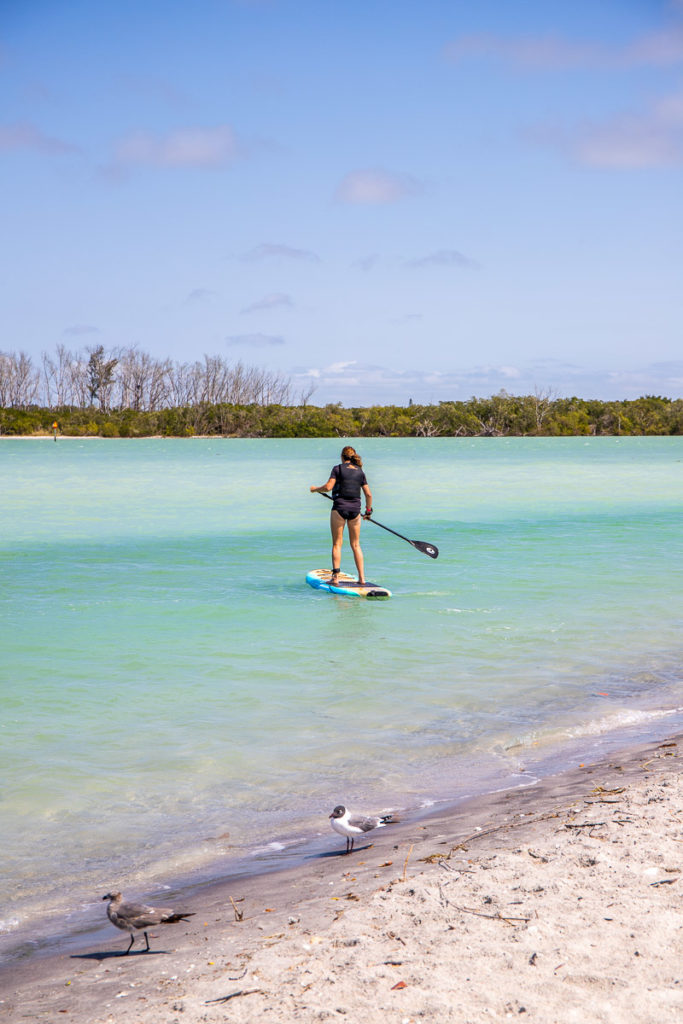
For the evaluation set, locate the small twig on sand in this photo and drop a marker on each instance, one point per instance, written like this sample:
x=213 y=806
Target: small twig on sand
x=239 y=915
x=238 y=977
x=478 y=835
x=233 y=995
x=445 y=902
x=497 y=828
x=665 y=881
x=405 y=863
x=459 y=871
x=492 y=917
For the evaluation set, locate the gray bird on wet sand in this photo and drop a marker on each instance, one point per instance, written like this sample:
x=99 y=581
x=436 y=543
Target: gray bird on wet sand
x=129 y=916
x=352 y=825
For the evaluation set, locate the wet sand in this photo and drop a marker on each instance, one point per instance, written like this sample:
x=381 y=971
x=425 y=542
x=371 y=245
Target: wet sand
x=561 y=902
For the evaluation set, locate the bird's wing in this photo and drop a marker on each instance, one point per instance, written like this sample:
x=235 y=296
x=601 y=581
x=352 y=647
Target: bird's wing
x=141 y=916
x=365 y=824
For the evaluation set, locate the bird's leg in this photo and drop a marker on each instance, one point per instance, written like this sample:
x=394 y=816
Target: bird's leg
x=147 y=941
x=132 y=940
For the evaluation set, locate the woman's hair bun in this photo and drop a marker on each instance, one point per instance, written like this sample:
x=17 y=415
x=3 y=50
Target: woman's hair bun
x=350 y=454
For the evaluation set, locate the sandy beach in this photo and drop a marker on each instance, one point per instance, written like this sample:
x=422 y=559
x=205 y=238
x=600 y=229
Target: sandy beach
x=560 y=902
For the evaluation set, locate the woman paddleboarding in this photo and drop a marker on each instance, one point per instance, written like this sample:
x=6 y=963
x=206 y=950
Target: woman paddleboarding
x=346 y=482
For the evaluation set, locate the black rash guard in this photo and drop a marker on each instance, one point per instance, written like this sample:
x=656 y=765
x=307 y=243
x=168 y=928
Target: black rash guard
x=347 y=488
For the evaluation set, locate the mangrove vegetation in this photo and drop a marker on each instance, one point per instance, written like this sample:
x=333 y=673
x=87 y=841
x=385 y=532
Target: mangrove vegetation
x=128 y=393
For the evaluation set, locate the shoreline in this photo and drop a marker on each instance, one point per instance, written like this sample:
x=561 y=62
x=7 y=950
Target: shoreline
x=314 y=936
x=509 y=771
x=321 y=437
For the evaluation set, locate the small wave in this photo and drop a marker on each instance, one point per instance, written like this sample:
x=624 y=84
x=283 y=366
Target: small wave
x=525 y=782
x=468 y=611
x=276 y=846
x=619 y=720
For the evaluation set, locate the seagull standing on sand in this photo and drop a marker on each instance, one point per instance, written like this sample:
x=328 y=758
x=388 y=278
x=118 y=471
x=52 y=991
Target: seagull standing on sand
x=352 y=825
x=129 y=916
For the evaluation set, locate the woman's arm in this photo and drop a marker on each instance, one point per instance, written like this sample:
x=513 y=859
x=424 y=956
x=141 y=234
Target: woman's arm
x=325 y=487
x=368 y=500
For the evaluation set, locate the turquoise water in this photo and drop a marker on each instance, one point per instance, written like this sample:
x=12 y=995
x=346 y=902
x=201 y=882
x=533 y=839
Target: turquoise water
x=175 y=700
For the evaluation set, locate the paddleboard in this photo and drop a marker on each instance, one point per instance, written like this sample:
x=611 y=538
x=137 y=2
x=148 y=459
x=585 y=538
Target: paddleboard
x=319 y=579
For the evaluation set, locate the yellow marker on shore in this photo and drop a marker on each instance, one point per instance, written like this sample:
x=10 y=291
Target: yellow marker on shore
x=55 y=428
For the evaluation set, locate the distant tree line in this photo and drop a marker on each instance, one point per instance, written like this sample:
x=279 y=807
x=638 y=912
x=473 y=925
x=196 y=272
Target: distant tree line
x=131 y=394
x=130 y=379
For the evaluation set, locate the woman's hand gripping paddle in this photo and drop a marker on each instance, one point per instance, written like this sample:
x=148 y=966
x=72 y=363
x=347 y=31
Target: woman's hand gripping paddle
x=426 y=549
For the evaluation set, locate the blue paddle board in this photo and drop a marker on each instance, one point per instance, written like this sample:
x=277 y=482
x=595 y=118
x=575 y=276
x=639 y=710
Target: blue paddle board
x=344 y=584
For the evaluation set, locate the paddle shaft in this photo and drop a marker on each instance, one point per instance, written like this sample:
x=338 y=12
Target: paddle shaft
x=420 y=545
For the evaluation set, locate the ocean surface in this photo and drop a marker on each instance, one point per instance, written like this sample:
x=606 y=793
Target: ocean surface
x=176 y=703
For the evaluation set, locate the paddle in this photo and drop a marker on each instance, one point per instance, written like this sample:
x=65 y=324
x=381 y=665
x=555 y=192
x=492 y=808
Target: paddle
x=426 y=549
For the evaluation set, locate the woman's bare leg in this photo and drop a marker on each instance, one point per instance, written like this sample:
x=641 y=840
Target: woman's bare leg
x=337 y=529
x=354 y=541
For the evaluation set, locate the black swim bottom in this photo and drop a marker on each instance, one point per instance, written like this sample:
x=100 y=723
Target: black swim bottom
x=347 y=509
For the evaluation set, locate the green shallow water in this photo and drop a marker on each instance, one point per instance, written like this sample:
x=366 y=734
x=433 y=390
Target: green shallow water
x=168 y=678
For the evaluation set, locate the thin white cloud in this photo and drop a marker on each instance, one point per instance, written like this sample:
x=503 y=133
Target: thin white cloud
x=276 y=300
x=539 y=52
x=652 y=137
x=367 y=263
x=267 y=251
x=359 y=384
x=376 y=187
x=443 y=258
x=199 y=295
x=254 y=340
x=408 y=318
x=187 y=147
x=76 y=330
x=342 y=367
x=656 y=379
x=158 y=89
x=495 y=374
x=553 y=52
x=23 y=135
x=658 y=49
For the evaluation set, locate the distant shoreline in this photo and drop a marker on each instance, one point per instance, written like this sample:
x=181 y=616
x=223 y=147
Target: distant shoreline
x=501 y=415
x=304 y=437
x=98 y=437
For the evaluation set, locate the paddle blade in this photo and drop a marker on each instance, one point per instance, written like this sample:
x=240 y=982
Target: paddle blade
x=426 y=549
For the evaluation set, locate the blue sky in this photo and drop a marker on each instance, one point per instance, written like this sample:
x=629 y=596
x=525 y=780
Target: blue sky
x=381 y=200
